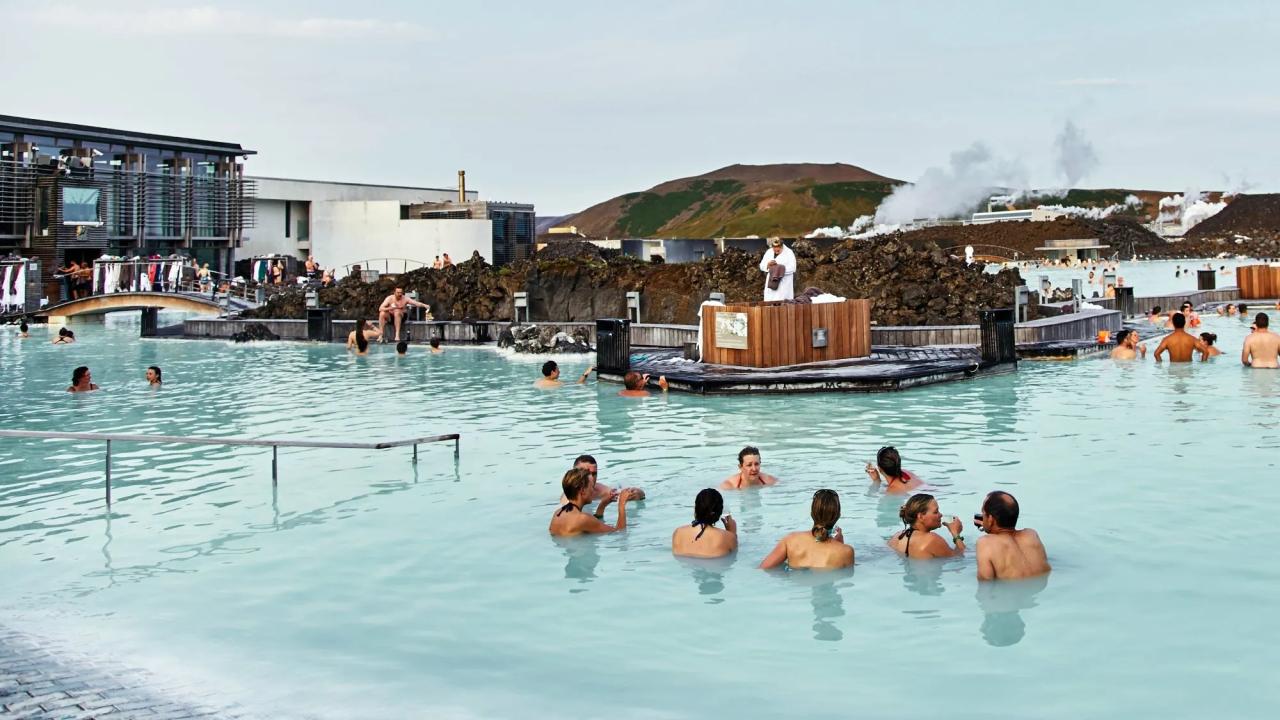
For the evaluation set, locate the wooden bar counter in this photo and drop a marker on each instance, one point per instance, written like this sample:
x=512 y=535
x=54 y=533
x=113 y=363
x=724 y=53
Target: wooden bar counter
x=1258 y=282
x=777 y=334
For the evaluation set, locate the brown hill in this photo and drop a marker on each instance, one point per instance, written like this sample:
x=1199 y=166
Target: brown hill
x=1257 y=216
x=740 y=200
x=1124 y=236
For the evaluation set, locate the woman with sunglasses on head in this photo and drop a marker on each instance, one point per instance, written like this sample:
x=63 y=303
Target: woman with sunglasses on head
x=822 y=547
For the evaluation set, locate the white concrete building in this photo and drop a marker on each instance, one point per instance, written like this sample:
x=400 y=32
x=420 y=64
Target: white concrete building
x=348 y=223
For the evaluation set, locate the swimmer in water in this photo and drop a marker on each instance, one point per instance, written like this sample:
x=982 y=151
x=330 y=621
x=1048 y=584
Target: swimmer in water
x=22 y=331
x=1209 y=339
x=599 y=490
x=921 y=516
x=65 y=337
x=1262 y=346
x=1227 y=310
x=402 y=348
x=358 y=340
x=81 y=381
x=1180 y=344
x=1127 y=346
x=436 y=349
x=569 y=519
x=1153 y=317
x=822 y=547
x=551 y=376
x=1193 y=319
x=635 y=384
x=1007 y=553
x=888 y=469
x=155 y=377
x=748 y=471
x=702 y=538
x=370 y=333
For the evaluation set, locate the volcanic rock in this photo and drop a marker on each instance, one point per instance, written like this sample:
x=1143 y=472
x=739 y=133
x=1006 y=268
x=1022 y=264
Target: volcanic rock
x=252 y=332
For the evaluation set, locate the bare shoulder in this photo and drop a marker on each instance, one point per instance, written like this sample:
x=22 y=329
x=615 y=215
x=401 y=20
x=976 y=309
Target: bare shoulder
x=768 y=479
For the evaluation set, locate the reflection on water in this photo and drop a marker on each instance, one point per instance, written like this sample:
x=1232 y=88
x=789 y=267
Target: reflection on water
x=582 y=555
x=708 y=575
x=1002 y=602
x=923 y=576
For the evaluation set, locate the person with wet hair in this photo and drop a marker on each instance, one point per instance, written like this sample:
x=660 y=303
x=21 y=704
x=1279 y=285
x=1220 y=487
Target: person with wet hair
x=81 y=380
x=635 y=384
x=1153 y=317
x=1127 y=346
x=363 y=330
x=599 y=490
x=155 y=377
x=748 y=471
x=65 y=337
x=551 y=376
x=435 y=346
x=888 y=469
x=1007 y=553
x=1261 y=347
x=1209 y=339
x=822 y=547
x=402 y=348
x=569 y=519
x=22 y=330
x=1180 y=344
x=701 y=538
x=921 y=516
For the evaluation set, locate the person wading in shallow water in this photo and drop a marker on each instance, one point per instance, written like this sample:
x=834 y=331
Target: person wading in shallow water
x=748 y=471
x=822 y=547
x=1262 y=346
x=921 y=516
x=635 y=384
x=702 y=538
x=1007 y=553
x=888 y=468
x=81 y=380
x=569 y=519
x=1180 y=344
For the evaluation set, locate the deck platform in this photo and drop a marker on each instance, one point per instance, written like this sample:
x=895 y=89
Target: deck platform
x=887 y=369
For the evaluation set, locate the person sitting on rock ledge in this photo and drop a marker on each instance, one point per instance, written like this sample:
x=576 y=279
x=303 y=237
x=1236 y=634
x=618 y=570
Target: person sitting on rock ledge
x=636 y=384
x=1127 y=347
x=888 y=468
x=395 y=305
x=748 y=471
x=551 y=376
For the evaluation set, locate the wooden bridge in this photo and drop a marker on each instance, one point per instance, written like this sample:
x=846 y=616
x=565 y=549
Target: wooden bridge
x=984 y=252
x=117 y=302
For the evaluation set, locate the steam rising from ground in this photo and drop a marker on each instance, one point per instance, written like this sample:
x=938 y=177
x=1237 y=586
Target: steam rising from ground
x=1075 y=155
x=972 y=174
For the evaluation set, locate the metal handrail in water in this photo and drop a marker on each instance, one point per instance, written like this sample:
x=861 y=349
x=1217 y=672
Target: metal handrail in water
x=273 y=443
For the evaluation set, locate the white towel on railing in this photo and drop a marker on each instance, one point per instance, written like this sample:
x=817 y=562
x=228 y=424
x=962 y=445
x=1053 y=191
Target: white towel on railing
x=4 y=286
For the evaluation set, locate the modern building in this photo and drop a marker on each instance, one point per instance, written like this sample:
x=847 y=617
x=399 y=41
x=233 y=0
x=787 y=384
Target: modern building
x=512 y=225
x=1034 y=215
x=344 y=224
x=74 y=192
x=1075 y=248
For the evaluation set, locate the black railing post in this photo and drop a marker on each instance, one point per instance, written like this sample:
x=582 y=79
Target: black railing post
x=320 y=324
x=1206 y=280
x=150 y=317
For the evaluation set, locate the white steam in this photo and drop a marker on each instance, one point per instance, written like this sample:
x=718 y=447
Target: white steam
x=949 y=192
x=1130 y=202
x=1188 y=209
x=1074 y=153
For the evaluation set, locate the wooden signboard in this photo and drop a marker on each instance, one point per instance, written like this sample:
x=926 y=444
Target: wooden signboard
x=776 y=334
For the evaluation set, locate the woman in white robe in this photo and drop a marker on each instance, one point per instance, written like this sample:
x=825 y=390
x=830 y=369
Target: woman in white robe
x=781 y=255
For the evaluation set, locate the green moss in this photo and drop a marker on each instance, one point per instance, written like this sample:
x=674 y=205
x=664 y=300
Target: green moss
x=829 y=193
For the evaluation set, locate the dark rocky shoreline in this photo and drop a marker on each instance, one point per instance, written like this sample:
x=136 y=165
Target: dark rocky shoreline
x=907 y=285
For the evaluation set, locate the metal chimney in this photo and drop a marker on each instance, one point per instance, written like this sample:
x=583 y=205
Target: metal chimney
x=462 y=186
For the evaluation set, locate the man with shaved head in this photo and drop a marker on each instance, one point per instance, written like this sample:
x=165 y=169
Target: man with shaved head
x=1007 y=553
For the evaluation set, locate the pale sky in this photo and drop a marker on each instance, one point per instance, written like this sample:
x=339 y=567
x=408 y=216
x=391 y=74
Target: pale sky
x=565 y=104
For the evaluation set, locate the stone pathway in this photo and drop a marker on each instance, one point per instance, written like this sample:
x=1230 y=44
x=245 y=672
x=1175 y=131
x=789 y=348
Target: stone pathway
x=37 y=682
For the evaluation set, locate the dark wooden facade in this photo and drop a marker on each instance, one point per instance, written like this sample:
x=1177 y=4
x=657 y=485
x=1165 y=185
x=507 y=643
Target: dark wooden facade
x=1258 y=282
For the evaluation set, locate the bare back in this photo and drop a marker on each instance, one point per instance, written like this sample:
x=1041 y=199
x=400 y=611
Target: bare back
x=1262 y=349
x=1011 y=555
x=714 y=542
x=1180 y=345
x=802 y=550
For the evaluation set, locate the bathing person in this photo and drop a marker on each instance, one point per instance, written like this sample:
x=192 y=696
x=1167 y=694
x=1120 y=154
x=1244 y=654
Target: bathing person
x=1153 y=317
x=748 y=471
x=1192 y=318
x=402 y=348
x=154 y=378
x=369 y=332
x=1209 y=339
x=599 y=490
x=1261 y=346
x=920 y=515
x=436 y=349
x=22 y=330
x=1007 y=553
x=779 y=267
x=1229 y=310
x=702 y=538
x=635 y=384
x=1180 y=344
x=888 y=468
x=569 y=519
x=311 y=267
x=361 y=341
x=65 y=337
x=1127 y=347
x=551 y=376
x=394 y=306
x=821 y=547
x=81 y=381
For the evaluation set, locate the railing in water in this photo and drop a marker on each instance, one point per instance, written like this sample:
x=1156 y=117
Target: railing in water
x=274 y=444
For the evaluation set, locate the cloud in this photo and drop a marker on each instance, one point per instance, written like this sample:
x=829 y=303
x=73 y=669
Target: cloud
x=1092 y=82
x=210 y=20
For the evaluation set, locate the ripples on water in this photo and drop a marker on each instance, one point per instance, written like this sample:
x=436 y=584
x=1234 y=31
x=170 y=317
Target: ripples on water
x=364 y=576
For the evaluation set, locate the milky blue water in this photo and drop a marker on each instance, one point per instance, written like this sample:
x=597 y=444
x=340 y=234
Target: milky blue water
x=1146 y=277
x=368 y=587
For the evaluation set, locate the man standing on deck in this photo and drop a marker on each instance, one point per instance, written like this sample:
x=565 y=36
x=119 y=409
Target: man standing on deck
x=394 y=306
x=1181 y=344
x=779 y=267
x=1262 y=346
